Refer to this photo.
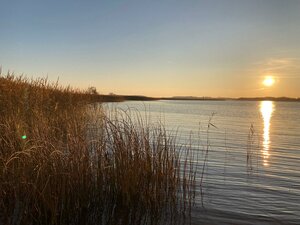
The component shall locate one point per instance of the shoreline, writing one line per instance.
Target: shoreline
(122, 98)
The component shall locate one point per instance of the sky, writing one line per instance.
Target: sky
(217, 48)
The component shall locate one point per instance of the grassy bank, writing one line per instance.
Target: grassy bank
(64, 161)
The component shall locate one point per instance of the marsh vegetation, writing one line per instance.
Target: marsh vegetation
(63, 160)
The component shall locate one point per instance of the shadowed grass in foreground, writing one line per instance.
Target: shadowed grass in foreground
(63, 161)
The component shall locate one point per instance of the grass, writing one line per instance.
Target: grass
(64, 161)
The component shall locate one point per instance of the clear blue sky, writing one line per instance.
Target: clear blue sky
(156, 48)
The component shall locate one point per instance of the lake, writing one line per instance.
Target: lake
(252, 172)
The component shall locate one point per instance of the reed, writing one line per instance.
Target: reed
(252, 151)
(63, 160)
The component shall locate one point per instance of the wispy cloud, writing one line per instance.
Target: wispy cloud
(280, 67)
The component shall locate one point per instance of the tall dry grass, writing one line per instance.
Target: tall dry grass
(64, 161)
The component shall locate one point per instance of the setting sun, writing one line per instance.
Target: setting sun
(268, 81)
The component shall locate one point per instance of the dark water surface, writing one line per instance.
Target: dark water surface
(253, 169)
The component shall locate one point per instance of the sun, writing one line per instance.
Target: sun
(268, 81)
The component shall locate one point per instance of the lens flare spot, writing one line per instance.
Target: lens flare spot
(24, 137)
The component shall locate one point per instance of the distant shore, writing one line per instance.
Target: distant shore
(121, 98)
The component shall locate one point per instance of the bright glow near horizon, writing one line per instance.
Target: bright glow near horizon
(268, 81)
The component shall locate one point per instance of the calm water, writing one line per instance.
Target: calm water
(265, 189)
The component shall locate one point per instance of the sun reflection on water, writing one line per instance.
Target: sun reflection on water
(266, 108)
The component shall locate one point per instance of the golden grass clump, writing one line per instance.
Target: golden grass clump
(64, 161)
